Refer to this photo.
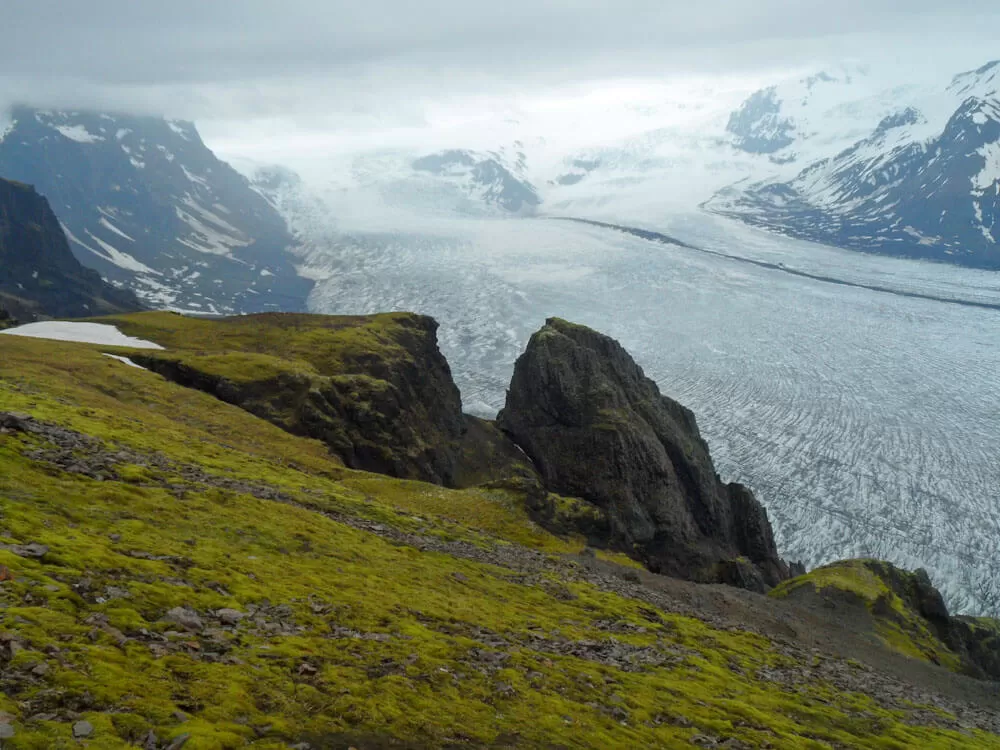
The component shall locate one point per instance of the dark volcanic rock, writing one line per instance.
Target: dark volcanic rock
(598, 429)
(39, 277)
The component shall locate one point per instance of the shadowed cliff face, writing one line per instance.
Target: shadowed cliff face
(38, 274)
(376, 389)
(598, 429)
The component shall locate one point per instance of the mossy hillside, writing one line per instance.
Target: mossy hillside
(896, 624)
(327, 344)
(385, 639)
(374, 388)
(346, 634)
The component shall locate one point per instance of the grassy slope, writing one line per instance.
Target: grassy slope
(415, 670)
(257, 347)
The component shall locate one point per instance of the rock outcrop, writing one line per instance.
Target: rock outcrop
(904, 610)
(598, 429)
(39, 277)
(376, 389)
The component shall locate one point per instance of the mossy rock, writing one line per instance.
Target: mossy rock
(904, 610)
(375, 388)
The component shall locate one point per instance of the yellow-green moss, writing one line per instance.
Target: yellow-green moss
(329, 344)
(381, 638)
(899, 628)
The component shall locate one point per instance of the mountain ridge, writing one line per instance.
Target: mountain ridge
(148, 205)
(39, 277)
(923, 184)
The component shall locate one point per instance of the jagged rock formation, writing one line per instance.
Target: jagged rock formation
(598, 429)
(38, 274)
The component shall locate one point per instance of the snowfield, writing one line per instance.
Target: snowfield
(86, 333)
(865, 419)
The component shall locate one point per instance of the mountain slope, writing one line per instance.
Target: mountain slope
(807, 118)
(178, 571)
(925, 183)
(38, 274)
(148, 205)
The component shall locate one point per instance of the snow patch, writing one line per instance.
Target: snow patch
(990, 172)
(211, 217)
(112, 228)
(206, 235)
(125, 360)
(78, 133)
(179, 130)
(193, 177)
(116, 256)
(84, 333)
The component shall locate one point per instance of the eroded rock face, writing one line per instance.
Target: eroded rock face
(598, 429)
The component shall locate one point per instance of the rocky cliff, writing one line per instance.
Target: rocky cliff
(598, 429)
(375, 389)
(39, 277)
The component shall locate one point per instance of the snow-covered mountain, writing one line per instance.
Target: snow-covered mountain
(817, 115)
(925, 182)
(148, 205)
(493, 179)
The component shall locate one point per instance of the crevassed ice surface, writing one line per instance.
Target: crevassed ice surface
(867, 422)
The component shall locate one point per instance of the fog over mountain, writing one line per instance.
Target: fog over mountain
(279, 81)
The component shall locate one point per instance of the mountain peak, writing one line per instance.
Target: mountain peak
(147, 204)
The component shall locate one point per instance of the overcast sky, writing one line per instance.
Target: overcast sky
(331, 63)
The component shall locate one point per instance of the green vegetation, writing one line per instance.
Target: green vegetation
(895, 623)
(229, 581)
(327, 344)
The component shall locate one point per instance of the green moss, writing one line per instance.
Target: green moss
(899, 627)
(324, 343)
(853, 576)
(348, 633)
